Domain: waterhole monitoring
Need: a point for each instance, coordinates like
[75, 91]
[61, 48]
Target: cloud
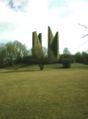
[63, 17]
[6, 27]
[69, 26]
[56, 3]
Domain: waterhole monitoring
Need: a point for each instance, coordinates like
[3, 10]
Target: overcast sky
[61, 15]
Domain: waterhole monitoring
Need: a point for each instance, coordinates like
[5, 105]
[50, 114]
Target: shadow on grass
[20, 68]
[34, 68]
[26, 70]
[31, 68]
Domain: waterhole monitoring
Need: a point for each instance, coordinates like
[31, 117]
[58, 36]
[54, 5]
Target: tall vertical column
[53, 45]
[50, 40]
[40, 38]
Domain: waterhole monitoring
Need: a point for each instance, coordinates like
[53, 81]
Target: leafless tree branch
[83, 25]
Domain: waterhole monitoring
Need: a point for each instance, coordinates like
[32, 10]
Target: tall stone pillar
[53, 45]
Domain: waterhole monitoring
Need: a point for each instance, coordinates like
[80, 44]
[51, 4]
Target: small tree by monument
[37, 51]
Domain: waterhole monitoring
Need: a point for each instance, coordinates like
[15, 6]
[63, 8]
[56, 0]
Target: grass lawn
[50, 94]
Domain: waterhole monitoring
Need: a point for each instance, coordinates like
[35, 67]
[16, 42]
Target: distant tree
[20, 49]
[85, 58]
[81, 57]
[2, 55]
[66, 51]
[11, 52]
[78, 57]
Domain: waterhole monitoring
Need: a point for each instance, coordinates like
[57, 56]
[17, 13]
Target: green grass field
[27, 93]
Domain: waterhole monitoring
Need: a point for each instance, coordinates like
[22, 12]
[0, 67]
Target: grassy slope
[48, 94]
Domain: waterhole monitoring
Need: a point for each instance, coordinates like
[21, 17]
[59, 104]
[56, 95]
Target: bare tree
[86, 34]
[86, 28]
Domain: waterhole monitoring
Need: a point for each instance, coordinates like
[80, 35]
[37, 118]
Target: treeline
[13, 53]
[68, 59]
[79, 57]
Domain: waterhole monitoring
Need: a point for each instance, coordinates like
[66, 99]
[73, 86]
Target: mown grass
[49, 94]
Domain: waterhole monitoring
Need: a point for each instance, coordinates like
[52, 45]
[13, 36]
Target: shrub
[66, 63]
[65, 60]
